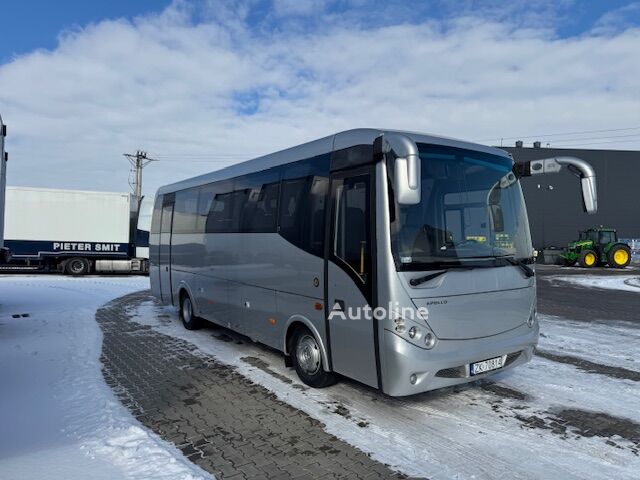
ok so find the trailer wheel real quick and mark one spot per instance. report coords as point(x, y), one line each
point(307, 360)
point(189, 320)
point(76, 266)
point(619, 256)
point(588, 258)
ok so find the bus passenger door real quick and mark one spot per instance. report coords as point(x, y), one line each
point(350, 276)
point(164, 248)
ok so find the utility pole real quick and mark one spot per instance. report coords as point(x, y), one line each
point(138, 161)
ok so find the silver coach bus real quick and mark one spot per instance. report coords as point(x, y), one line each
point(324, 251)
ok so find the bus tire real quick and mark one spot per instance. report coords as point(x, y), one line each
point(306, 356)
point(189, 320)
point(76, 266)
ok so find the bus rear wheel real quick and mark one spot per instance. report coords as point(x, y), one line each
point(76, 266)
point(189, 320)
point(307, 360)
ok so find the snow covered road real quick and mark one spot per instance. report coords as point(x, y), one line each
point(629, 283)
point(547, 419)
point(58, 419)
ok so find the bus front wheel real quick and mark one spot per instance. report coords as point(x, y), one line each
point(188, 317)
point(307, 360)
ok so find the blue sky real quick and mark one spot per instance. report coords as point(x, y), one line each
point(33, 24)
point(202, 84)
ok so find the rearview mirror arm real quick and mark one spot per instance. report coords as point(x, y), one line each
point(577, 166)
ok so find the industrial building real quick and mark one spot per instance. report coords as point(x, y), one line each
point(555, 214)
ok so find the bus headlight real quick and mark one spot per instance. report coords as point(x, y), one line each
point(532, 318)
point(429, 340)
point(414, 332)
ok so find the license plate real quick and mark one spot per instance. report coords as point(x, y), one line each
point(487, 365)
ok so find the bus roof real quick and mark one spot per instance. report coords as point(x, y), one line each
point(337, 141)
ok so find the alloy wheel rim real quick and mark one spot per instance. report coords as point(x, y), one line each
point(186, 310)
point(308, 354)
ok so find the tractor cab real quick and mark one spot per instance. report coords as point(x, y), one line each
point(597, 247)
point(600, 236)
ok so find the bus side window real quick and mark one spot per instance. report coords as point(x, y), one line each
point(220, 216)
point(260, 210)
point(184, 213)
point(302, 210)
point(317, 205)
point(351, 226)
point(291, 207)
point(205, 199)
point(157, 215)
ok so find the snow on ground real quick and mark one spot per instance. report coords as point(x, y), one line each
point(596, 341)
point(629, 283)
point(533, 422)
point(58, 418)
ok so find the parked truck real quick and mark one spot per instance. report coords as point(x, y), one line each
point(75, 232)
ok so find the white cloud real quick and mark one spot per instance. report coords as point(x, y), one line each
point(617, 19)
point(219, 88)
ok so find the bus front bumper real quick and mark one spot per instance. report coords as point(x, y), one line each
point(408, 369)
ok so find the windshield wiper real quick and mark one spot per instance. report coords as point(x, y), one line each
point(414, 282)
point(443, 267)
point(528, 271)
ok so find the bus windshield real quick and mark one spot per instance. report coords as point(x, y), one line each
point(471, 210)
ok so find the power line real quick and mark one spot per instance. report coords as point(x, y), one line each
point(595, 138)
point(598, 143)
point(202, 160)
point(584, 132)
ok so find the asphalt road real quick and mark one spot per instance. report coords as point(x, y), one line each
point(586, 304)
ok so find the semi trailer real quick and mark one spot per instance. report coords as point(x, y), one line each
point(75, 232)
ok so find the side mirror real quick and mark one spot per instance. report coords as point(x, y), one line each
point(407, 180)
point(589, 194)
point(406, 158)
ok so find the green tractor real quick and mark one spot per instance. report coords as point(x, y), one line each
point(597, 246)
